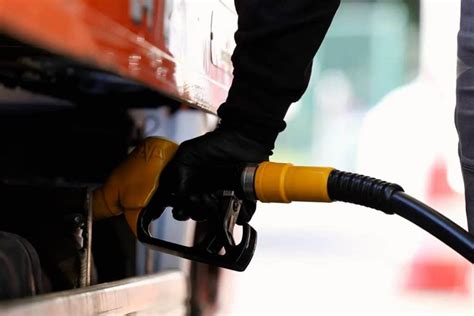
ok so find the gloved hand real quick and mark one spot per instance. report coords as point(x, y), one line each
point(195, 170)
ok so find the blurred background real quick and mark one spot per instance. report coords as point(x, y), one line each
point(381, 102)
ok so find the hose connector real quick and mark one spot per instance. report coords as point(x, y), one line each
point(284, 183)
point(362, 190)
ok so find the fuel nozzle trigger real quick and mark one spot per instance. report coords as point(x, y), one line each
point(216, 246)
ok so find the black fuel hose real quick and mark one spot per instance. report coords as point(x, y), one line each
point(435, 223)
point(390, 198)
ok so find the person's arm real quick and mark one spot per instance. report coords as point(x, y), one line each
point(276, 43)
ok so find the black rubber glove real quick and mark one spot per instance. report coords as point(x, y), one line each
point(201, 167)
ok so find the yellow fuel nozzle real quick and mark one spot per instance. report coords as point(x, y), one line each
point(132, 184)
point(284, 183)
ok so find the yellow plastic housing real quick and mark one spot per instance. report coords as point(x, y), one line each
point(284, 183)
point(132, 184)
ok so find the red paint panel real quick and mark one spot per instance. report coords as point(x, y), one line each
point(102, 33)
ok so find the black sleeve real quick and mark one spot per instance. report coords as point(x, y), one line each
point(276, 43)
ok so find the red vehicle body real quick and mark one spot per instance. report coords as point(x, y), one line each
point(103, 57)
point(180, 48)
